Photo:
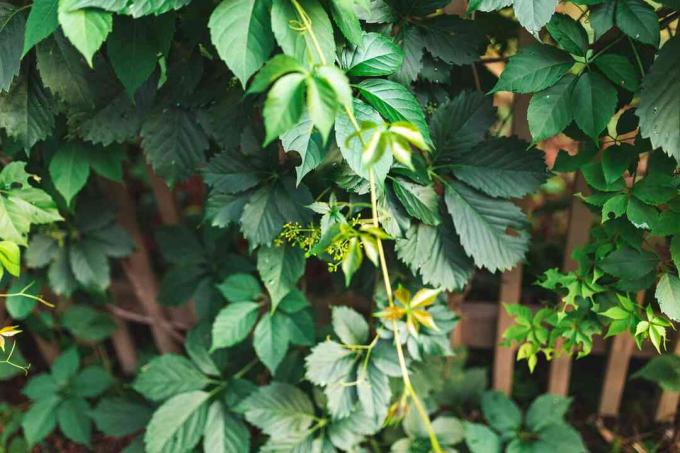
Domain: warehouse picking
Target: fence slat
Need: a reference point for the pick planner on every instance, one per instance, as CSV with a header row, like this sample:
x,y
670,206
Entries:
x,y
504,357
668,402
615,376
577,234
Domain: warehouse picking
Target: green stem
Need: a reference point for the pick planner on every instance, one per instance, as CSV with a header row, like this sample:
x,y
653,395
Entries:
x,y
242,372
637,58
308,28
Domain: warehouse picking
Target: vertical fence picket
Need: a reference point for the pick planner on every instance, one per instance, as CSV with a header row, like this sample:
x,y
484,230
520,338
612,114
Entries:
x,y
668,402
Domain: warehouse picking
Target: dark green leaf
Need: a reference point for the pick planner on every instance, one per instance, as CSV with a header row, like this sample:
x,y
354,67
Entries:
x,y
569,34
593,103
280,268
168,375
42,22
120,417
534,68
74,420
233,324
619,70
271,340
638,20
550,111
419,201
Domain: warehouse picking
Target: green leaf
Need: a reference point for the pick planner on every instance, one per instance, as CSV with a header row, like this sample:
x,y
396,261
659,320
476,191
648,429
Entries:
x,y
593,103
233,324
550,110
349,326
42,22
482,224
306,143
20,307
664,370
168,375
346,19
419,201
134,47
91,382
641,215
394,102
239,29
501,167
545,410
452,39
271,207
376,55
351,262
480,439
87,29
501,413
90,265
322,104
534,14
173,143
329,363
240,288
10,259
117,122
413,49
668,295
436,255
66,366
178,424
87,323
373,390
40,387
350,145
615,160
27,112
40,420
278,66
11,41
119,417
271,340
638,20
675,251
628,263
69,169
284,105
659,109
22,204
280,268
619,70
279,410
569,34
224,432
74,420
301,45
534,68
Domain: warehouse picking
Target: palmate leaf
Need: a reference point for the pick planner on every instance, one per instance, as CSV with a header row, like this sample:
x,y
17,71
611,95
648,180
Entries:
x,y
178,424
638,20
619,70
240,31
69,169
668,295
11,40
659,109
413,47
40,419
27,112
502,167
233,324
120,417
173,143
436,255
347,20
482,224
118,121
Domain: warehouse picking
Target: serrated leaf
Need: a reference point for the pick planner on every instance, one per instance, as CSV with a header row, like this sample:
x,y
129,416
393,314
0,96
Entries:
x,y
42,22
375,55
301,45
27,112
419,201
280,268
413,47
12,28
173,143
279,410
593,103
88,324
271,340
40,420
481,439
178,424
69,169
224,432
233,324
452,39
569,34
659,109
534,68
74,421
239,29
668,295
87,29
502,167
347,20
120,417
545,410
284,105
302,140
638,20
628,263
482,224
168,375
534,14
664,370
619,70
349,326
90,265
550,110
240,288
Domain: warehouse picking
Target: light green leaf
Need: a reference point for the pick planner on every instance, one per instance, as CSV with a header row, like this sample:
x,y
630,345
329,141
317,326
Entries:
x,y
329,363
284,105
545,410
501,167
10,260
69,169
501,413
664,370
21,204
373,390
482,224
239,29
87,29
419,201
302,140
638,20
90,265
11,41
177,426
394,102
481,439
74,420
280,268
40,420
279,410
168,375
42,22
593,103
278,66
619,70
223,432
534,68
659,109
240,288
322,104
349,326
301,45
271,340
534,14
550,110
233,324
346,19
376,55
668,295
173,143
